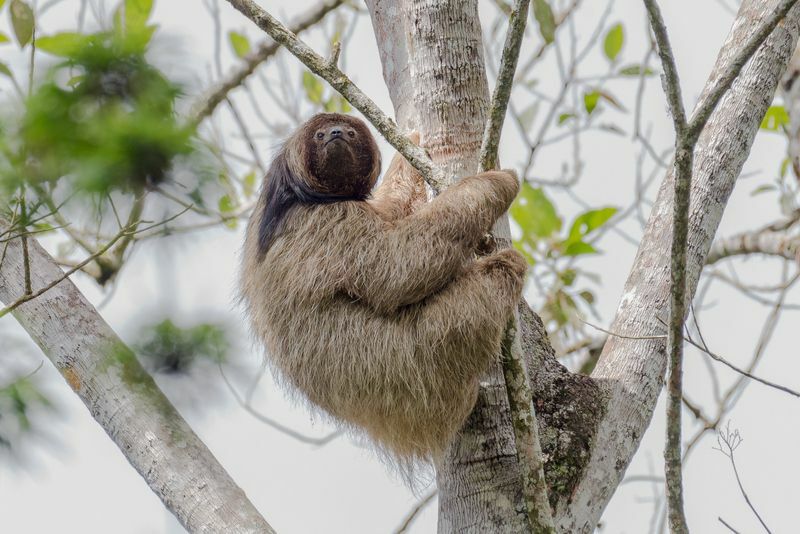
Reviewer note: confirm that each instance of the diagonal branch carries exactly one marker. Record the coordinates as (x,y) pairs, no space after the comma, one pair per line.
(124,399)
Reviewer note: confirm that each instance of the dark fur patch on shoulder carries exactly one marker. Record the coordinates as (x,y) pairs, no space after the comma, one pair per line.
(282,190)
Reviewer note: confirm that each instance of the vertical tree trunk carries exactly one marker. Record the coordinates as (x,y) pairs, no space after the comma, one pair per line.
(433,65)
(440,42)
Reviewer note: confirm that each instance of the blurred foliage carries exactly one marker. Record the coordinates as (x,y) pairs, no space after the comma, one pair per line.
(545,246)
(316,93)
(776,119)
(17,400)
(168,348)
(103,116)
(543,14)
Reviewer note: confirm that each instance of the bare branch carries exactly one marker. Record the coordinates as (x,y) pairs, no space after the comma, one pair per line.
(731,439)
(762,241)
(684,157)
(523,417)
(412,515)
(725,78)
(502,89)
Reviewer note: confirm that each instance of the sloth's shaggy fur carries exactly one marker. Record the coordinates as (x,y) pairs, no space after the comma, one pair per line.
(374,307)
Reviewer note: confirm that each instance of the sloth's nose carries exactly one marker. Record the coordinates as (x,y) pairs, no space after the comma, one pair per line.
(336,132)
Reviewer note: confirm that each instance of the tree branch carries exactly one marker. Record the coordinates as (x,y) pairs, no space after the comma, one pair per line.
(684,156)
(763,241)
(124,399)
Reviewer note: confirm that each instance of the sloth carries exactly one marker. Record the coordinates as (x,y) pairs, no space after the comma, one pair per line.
(372,304)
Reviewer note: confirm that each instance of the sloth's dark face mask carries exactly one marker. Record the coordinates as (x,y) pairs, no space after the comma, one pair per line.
(341,160)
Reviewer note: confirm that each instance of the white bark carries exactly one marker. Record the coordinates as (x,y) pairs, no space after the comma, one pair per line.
(124,400)
(478,483)
(632,371)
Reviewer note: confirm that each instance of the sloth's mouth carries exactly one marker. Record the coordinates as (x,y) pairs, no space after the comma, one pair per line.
(335,139)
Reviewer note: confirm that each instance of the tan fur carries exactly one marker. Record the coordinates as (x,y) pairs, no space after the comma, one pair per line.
(376,310)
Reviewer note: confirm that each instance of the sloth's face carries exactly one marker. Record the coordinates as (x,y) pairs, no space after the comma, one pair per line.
(342,155)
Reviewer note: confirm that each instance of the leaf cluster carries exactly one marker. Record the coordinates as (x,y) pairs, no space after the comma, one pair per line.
(104,116)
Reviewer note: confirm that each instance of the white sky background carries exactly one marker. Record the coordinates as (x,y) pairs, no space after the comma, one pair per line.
(84,484)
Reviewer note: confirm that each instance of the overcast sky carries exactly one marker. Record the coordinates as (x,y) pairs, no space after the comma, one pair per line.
(82,483)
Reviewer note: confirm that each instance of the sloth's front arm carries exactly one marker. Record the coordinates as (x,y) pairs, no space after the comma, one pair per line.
(397,263)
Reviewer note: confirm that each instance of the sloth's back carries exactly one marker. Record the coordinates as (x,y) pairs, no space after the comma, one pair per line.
(375,371)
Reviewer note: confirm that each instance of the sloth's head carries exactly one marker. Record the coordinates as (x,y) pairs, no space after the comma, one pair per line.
(330,158)
(343,158)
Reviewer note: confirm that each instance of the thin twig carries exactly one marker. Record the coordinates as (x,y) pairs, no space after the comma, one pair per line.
(732,439)
(723,361)
(324,440)
(414,512)
(727,525)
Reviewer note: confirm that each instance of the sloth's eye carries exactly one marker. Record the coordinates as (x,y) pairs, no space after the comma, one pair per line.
(320,135)
(351,133)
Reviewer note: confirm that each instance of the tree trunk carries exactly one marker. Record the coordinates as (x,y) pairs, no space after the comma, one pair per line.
(590,427)
(123,398)
(442,92)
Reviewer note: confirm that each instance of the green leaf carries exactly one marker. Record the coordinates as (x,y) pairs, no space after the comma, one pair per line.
(564,117)
(785,166)
(136,13)
(4,38)
(226,204)
(775,119)
(249,183)
(763,189)
(587,296)
(590,101)
(534,213)
(239,43)
(578,248)
(313,87)
(544,16)
(613,42)
(636,70)
(588,222)
(568,276)
(22,21)
(64,44)
(2,3)
(4,70)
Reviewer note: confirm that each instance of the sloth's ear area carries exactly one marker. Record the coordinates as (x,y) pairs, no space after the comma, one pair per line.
(277,198)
